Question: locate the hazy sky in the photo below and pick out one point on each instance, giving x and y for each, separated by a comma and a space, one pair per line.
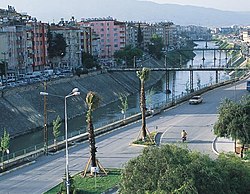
53, 10
228, 5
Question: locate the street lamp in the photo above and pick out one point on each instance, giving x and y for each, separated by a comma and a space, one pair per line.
74, 92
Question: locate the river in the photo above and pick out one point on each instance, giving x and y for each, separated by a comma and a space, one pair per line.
112, 112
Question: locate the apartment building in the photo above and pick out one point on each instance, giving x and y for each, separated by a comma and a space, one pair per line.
72, 58
26, 49
112, 34
36, 46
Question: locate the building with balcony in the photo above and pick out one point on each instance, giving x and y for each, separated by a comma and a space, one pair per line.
72, 58
36, 52
111, 34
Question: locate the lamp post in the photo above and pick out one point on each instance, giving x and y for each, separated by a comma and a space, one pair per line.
74, 92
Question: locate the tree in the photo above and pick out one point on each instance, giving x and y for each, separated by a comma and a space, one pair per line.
173, 169
149, 100
198, 81
156, 46
5, 144
127, 55
56, 132
124, 105
56, 45
143, 75
211, 79
187, 86
139, 37
234, 121
2, 69
92, 101
89, 61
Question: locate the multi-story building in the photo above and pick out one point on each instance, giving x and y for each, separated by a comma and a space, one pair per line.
72, 58
165, 30
14, 36
36, 53
111, 32
131, 34
26, 48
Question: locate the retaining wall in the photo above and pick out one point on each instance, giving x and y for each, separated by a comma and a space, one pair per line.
22, 108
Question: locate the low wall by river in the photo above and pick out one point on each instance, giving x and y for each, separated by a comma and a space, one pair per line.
22, 108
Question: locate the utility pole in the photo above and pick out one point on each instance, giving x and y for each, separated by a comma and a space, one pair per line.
45, 121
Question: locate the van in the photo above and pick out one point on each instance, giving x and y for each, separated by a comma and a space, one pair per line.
49, 72
37, 73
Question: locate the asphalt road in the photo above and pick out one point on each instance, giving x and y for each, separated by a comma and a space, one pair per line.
114, 149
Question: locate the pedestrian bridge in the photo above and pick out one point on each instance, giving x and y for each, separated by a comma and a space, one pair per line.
181, 69
191, 70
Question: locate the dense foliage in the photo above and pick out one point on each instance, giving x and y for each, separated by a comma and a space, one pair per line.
127, 56
88, 61
155, 47
2, 68
171, 169
56, 45
234, 120
176, 58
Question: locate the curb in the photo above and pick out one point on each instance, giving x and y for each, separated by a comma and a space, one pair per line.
13, 169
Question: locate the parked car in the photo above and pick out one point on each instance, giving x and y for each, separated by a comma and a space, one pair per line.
195, 100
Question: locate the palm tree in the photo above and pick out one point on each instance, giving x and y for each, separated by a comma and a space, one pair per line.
143, 76
56, 132
92, 101
5, 144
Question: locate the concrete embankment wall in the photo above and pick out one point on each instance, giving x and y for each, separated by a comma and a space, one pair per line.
22, 108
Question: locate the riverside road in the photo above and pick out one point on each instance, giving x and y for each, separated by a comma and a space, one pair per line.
114, 149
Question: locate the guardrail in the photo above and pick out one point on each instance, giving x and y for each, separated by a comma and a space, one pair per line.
33, 152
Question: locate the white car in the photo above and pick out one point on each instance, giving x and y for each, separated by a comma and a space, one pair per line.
196, 100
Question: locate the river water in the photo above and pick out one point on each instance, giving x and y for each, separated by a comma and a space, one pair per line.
112, 112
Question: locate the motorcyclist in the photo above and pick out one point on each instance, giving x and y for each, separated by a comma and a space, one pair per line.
183, 135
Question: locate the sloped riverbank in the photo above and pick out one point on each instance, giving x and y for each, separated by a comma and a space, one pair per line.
22, 108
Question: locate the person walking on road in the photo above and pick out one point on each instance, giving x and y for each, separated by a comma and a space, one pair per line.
183, 135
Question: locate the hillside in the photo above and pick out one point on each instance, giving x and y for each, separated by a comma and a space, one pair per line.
133, 10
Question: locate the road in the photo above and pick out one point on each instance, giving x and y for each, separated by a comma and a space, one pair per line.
114, 149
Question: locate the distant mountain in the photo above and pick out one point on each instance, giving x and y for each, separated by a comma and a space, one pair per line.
134, 10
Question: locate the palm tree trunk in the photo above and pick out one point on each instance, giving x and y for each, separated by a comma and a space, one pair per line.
92, 142
143, 111
242, 150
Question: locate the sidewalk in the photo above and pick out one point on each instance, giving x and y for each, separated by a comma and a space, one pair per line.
221, 145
